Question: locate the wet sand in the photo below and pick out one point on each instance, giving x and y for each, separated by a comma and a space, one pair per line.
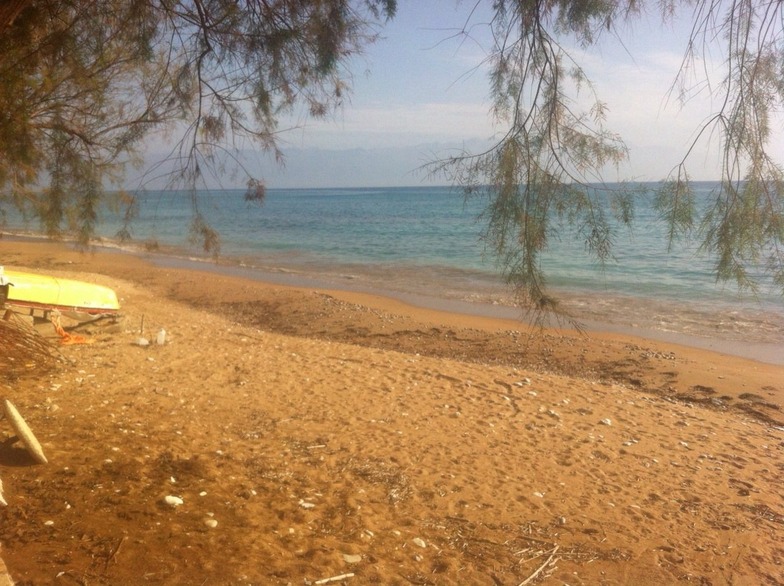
329, 433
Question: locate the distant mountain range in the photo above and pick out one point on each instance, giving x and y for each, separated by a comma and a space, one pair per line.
316, 167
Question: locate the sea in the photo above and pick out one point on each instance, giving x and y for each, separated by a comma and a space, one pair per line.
424, 245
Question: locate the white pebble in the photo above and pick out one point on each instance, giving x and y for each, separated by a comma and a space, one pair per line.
420, 542
173, 501
606, 421
211, 523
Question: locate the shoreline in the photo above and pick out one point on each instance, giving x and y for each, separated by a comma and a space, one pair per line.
759, 351
766, 352
297, 304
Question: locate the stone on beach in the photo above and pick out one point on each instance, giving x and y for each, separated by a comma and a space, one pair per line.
173, 501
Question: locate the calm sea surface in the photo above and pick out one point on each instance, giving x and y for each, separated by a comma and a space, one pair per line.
425, 242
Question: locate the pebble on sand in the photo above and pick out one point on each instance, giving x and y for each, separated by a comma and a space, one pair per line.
173, 501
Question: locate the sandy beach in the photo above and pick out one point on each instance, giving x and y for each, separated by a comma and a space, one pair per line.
331, 437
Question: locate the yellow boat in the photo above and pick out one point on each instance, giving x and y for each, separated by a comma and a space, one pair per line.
40, 292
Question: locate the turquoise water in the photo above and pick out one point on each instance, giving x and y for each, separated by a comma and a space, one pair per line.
426, 241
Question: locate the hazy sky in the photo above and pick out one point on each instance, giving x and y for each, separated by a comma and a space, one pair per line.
421, 92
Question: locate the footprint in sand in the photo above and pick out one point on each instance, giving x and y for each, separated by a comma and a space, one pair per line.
744, 488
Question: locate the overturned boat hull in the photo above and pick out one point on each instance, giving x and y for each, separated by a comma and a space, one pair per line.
41, 292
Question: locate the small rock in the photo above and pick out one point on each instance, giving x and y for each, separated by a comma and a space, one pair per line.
173, 501
419, 542
306, 505
142, 342
352, 559
606, 421
211, 523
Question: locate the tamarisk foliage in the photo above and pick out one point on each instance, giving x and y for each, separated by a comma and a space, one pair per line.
544, 177
82, 83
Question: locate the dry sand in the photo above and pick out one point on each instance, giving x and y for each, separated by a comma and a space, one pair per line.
328, 434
